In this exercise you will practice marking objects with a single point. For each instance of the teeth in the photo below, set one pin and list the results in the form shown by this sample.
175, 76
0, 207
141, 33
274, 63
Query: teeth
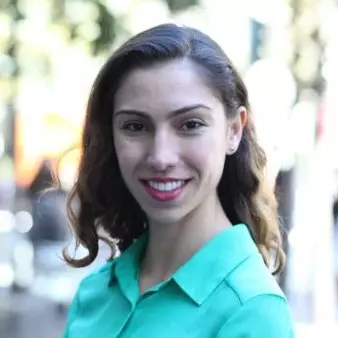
168, 186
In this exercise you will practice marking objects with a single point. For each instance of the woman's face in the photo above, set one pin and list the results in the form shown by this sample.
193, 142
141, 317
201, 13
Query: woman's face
171, 138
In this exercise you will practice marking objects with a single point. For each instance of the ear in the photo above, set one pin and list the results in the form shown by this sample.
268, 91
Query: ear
235, 130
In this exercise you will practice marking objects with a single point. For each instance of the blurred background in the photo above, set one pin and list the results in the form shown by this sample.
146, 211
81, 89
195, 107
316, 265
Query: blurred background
50, 52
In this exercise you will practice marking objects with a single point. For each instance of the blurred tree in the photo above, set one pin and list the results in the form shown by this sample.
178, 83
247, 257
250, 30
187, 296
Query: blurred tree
306, 62
308, 47
107, 29
88, 20
106, 24
180, 5
12, 8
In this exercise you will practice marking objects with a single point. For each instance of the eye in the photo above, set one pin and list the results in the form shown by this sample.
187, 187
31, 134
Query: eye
133, 127
192, 125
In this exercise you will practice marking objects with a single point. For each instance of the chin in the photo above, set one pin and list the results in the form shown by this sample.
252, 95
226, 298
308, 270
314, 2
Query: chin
165, 216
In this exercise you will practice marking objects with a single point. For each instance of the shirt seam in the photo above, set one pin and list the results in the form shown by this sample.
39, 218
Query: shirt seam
242, 301
201, 300
250, 300
226, 279
106, 268
84, 281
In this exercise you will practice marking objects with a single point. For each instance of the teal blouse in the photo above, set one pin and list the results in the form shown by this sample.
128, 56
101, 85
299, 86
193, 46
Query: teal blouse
223, 291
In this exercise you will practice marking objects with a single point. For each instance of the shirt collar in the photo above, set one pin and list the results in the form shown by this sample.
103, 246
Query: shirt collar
200, 275
127, 265
215, 260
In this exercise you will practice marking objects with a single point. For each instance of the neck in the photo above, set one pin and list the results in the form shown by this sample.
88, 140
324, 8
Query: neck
171, 245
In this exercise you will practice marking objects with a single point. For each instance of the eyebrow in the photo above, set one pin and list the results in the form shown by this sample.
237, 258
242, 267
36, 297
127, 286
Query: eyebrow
172, 114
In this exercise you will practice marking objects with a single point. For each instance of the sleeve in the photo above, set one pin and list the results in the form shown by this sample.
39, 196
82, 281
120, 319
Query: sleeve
262, 316
72, 313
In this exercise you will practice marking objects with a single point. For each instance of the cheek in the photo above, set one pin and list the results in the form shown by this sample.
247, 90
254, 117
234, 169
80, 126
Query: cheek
129, 154
208, 155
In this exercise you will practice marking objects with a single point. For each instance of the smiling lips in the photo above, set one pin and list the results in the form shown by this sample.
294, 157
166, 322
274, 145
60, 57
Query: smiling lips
164, 189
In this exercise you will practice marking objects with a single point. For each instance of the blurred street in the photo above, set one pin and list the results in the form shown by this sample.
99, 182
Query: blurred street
27, 316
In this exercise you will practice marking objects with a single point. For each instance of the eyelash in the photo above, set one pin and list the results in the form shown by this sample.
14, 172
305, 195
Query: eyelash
195, 122
132, 126
128, 126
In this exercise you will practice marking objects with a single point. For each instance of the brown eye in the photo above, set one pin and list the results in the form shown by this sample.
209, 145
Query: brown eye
133, 127
192, 125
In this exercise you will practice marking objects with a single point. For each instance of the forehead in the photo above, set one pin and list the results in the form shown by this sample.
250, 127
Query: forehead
167, 85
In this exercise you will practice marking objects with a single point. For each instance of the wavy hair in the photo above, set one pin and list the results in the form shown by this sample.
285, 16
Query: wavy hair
100, 199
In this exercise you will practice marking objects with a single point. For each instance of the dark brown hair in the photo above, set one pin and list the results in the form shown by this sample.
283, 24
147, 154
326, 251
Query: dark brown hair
100, 199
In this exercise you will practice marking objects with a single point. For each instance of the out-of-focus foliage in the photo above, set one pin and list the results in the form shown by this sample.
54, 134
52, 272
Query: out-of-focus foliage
179, 5
96, 22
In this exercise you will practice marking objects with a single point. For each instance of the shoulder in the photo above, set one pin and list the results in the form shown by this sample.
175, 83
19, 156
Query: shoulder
262, 316
93, 287
251, 278
91, 290
96, 281
262, 309
102, 272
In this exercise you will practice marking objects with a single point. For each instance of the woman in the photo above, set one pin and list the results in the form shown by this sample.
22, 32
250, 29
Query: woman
171, 169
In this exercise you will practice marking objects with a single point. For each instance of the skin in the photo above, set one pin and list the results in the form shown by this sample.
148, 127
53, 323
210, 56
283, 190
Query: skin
169, 123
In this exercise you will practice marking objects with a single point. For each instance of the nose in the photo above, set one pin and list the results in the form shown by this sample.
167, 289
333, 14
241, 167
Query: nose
162, 154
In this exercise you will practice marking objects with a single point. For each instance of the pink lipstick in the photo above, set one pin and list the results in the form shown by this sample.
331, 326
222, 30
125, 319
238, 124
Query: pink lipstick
164, 189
